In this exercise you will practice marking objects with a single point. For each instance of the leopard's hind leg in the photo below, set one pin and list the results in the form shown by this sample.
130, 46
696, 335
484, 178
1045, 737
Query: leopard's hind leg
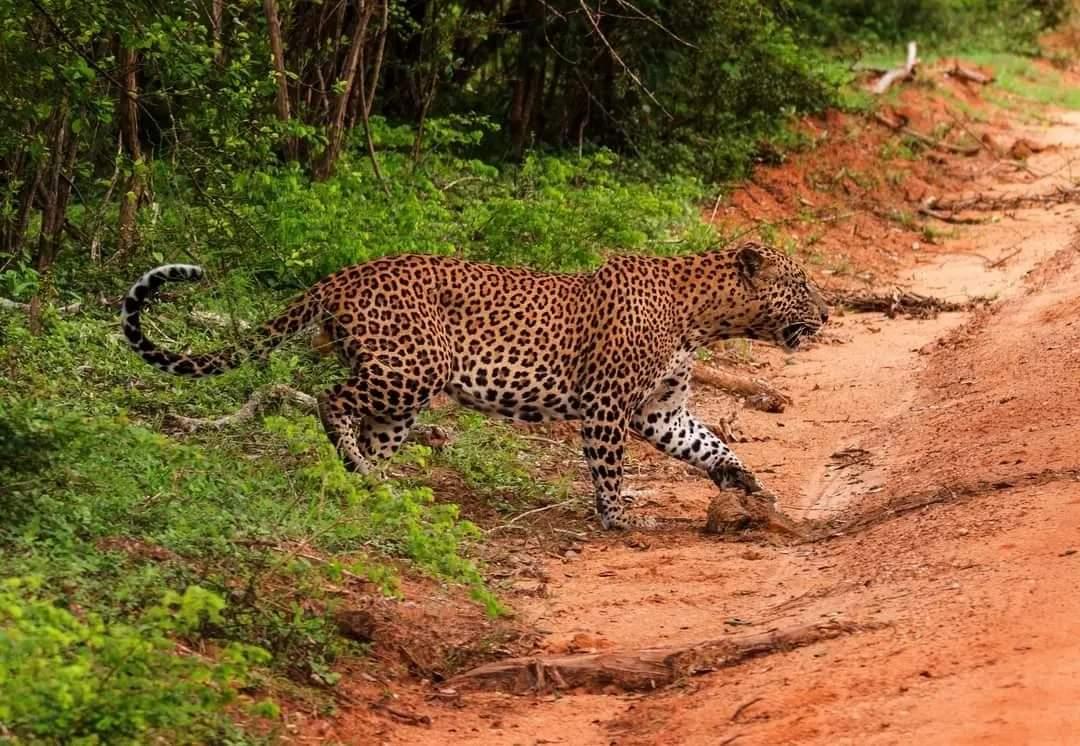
369, 416
382, 435
340, 418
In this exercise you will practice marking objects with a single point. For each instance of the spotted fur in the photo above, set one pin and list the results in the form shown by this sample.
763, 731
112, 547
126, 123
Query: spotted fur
612, 348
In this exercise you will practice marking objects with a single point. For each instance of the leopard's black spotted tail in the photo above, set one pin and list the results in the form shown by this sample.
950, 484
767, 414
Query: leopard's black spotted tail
301, 313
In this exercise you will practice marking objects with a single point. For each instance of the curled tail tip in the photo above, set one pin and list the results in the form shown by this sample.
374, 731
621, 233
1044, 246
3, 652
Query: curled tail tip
149, 282
171, 273
137, 296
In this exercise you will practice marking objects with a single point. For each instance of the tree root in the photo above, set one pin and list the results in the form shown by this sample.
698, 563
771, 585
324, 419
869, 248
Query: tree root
931, 142
950, 494
644, 669
991, 203
900, 301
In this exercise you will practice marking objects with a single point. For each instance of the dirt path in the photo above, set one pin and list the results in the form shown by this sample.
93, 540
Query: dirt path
973, 599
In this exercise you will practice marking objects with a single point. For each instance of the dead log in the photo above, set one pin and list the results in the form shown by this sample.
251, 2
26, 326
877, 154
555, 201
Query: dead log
756, 393
906, 72
259, 400
948, 217
645, 669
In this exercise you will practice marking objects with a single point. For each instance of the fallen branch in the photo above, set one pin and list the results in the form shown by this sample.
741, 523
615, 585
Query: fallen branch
948, 217
534, 511
15, 305
906, 72
743, 707
1000, 262
757, 393
259, 400
210, 318
645, 669
398, 714
429, 435
902, 301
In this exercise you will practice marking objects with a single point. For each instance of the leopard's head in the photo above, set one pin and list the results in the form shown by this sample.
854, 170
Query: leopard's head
774, 298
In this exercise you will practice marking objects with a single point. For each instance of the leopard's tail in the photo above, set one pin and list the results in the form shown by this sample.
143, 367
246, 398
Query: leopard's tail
301, 313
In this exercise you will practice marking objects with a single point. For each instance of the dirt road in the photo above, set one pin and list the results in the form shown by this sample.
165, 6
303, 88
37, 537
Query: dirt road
968, 606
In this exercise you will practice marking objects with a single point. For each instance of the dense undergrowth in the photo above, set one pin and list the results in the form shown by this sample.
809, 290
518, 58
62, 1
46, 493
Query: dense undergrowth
107, 509
132, 554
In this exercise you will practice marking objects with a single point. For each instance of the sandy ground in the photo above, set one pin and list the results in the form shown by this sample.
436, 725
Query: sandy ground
969, 607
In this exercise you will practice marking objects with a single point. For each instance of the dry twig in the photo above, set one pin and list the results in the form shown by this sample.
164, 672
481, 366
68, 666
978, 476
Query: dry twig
905, 72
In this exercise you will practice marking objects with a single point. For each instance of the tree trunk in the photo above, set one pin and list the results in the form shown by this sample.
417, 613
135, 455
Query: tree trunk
55, 190
277, 49
128, 117
336, 131
217, 17
529, 86
376, 69
15, 232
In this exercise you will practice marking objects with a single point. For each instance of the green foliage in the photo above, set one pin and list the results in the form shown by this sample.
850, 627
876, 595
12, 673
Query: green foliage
1025, 82
555, 213
747, 77
496, 462
75, 678
110, 511
998, 25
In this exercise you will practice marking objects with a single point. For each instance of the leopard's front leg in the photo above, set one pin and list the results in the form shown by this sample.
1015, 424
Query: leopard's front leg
678, 433
604, 439
732, 473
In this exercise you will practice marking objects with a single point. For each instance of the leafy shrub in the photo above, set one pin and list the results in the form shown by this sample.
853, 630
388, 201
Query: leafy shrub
74, 678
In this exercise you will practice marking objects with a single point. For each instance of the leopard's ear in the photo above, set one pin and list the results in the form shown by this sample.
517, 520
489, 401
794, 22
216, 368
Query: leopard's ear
752, 261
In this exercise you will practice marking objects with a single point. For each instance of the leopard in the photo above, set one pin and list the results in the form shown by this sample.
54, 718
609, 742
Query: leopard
611, 347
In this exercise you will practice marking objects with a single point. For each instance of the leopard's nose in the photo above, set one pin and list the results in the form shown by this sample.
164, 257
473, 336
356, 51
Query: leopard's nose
824, 314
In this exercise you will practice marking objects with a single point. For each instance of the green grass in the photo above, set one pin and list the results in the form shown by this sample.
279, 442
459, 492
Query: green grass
497, 463
1023, 79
